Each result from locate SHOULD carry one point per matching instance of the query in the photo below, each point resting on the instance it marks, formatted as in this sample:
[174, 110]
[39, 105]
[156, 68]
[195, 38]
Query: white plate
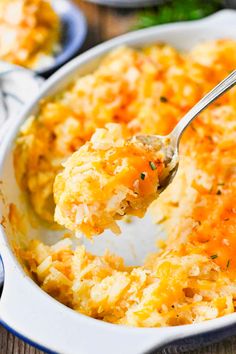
[24, 306]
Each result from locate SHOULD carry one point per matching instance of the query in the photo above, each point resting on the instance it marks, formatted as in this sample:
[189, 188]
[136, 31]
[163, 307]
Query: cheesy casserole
[29, 32]
[192, 277]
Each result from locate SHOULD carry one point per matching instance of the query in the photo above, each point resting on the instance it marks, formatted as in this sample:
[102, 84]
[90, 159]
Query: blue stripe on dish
[1, 275]
[74, 31]
[127, 3]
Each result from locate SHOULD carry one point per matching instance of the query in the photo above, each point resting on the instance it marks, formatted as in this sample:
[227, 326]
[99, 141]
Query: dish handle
[222, 16]
[17, 87]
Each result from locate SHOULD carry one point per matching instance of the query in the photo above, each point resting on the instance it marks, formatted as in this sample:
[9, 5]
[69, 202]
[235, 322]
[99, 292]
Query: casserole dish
[24, 307]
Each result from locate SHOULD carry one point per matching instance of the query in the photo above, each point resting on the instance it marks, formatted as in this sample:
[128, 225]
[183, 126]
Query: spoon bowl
[169, 144]
[167, 147]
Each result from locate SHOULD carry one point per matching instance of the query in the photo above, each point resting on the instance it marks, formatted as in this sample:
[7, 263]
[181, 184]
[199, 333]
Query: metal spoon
[169, 144]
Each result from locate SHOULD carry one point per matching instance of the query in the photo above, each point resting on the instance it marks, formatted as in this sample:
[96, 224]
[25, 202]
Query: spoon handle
[210, 97]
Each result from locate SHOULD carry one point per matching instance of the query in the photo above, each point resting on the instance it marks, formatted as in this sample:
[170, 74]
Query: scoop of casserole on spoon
[111, 176]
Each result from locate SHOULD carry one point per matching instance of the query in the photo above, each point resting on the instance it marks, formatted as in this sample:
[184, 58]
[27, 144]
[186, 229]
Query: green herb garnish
[228, 263]
[177, 10]
[152, 165]
[142, 176]
[163, 99]
[213, 256]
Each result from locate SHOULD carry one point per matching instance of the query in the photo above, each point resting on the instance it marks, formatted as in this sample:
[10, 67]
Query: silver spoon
[169, 144]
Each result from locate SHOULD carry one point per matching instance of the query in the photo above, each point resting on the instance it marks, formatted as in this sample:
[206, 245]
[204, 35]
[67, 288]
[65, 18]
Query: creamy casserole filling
[192, 277]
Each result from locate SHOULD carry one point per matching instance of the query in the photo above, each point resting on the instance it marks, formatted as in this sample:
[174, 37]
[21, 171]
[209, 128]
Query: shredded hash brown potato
[29, 32]
[172, 288]
[192, 278]
[108, 177]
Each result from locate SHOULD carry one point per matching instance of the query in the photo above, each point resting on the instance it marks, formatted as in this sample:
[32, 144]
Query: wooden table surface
[104, 23]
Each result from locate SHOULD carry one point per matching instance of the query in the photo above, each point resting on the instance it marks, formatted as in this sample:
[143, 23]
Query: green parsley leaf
[213, 256]
[163, 99]
[152, 165]
[177, 10]
[142, 176]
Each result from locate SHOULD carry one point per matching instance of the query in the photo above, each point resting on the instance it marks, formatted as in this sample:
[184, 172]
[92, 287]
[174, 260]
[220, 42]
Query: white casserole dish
[37, 317]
